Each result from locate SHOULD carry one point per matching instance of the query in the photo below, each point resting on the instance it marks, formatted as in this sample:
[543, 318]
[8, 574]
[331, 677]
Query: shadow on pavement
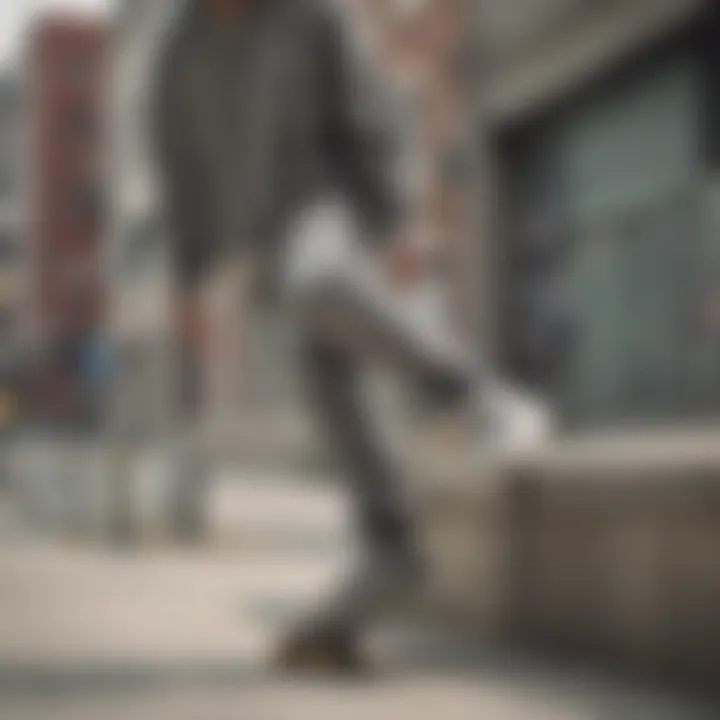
[596, 694]
[404, 661]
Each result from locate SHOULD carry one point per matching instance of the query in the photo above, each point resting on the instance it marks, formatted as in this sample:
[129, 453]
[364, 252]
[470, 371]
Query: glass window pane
[639, 144]
[621, 178]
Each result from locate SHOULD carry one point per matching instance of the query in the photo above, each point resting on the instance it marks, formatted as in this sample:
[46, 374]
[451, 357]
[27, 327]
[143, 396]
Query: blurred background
[562, 160]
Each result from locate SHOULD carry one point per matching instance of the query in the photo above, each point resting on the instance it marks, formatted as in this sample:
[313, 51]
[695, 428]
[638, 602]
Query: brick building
[67, 78]
[9, 211]
[10, 250]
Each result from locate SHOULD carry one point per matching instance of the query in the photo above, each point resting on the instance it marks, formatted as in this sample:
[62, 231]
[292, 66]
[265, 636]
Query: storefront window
[616, 185]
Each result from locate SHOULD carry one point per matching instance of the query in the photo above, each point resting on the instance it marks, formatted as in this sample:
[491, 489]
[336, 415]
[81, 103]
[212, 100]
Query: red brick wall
[67, 83]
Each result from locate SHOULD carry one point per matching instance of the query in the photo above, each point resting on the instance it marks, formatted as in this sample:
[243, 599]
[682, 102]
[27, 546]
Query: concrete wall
[601, 550]
[552, 47]
[615, 555]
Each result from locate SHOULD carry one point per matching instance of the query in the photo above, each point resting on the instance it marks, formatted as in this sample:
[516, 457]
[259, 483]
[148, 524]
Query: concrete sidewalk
[86, 635]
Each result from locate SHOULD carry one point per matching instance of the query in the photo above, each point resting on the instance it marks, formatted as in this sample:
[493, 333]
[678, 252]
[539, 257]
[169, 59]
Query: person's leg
[350, 313]
[189, 461]
[331, 375]
[339, 293]
[390, 566]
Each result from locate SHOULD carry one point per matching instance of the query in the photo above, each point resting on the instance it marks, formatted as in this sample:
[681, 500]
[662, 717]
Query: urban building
[599, 130]
[587, 266]
[594, 263]
[11, 254]
[67, 59]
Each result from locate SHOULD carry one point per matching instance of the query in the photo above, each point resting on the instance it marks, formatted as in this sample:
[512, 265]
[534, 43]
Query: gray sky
[15, 15]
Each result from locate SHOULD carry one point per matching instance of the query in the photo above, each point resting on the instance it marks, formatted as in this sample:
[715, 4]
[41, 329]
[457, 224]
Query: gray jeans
[349, 317]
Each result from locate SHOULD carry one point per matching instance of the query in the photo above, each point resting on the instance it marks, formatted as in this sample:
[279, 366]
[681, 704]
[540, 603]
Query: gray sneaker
[515, 419]
[322, 651]
[382, 581]
[328, 641]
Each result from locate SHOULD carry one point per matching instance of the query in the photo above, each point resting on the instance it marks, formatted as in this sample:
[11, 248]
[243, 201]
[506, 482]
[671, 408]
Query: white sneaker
[517, 420]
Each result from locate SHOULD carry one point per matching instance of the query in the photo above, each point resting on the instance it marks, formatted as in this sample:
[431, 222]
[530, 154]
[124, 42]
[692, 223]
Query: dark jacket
[280, 132]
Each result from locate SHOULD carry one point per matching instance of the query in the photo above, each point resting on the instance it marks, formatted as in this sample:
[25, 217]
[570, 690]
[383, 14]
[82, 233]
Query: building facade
[11, 253]
[67, 183]
[598, 127]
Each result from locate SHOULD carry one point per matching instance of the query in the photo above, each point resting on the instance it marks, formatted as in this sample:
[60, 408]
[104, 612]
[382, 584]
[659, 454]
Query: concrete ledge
[614, 455]
[605, 548]
[619, 561]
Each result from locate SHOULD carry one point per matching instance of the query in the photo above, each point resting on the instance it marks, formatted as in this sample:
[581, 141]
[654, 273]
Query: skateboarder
[264, 164]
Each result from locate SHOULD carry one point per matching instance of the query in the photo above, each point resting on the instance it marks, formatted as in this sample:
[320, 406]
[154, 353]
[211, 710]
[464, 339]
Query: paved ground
[185, 635]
